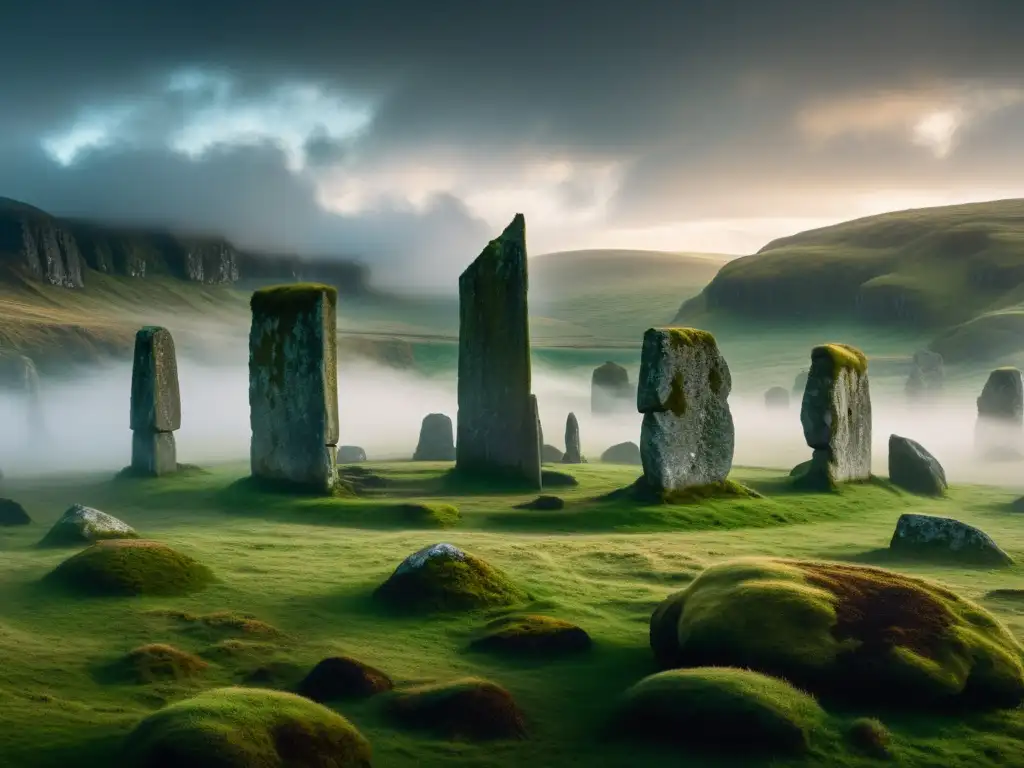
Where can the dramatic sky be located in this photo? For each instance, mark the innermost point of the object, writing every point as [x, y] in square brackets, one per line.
[408, 132]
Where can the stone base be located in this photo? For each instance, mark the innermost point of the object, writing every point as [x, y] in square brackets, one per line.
[320, 476]
[154, 453]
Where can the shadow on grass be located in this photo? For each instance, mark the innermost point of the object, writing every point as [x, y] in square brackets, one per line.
[885, 557]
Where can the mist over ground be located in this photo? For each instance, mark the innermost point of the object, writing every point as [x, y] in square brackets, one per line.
[86, 420]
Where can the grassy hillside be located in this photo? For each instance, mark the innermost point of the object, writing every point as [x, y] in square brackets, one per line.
[955, 273]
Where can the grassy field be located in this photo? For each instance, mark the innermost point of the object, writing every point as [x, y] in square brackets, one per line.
[305, 570]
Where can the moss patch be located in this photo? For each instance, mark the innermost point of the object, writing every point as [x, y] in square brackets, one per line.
[848, 631]
[681, 338]
[550, 478]
[469, 708]
[544, 503]
[870, 737]
[718, 708]
[156, 662]
[642, 492]
[843, 356]
[428, 515]
[131, 567]
[218, 623]
[342, 677]
[532, 635]
[676, 401]
[246, 728]
[277, 298]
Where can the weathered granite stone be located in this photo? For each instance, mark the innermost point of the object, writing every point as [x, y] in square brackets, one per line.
[550, 454]
[687, 435]
[930, 535]
[572, 441]
[836, 415]
[293, 385]
[350, 454]
[927, 375]
[497, 418]
[800, 384]
[998, 432]
[418, 559]
[610, 391]
[156, 399]
[81, 524]
[154, 453]
[776, 398]
[622, 453]
[12, 513]
[437, 441]
[913, 468]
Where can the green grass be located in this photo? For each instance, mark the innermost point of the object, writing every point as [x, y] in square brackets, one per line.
[296, 578]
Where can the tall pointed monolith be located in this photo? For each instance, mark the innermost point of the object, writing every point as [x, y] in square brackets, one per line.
[155, 403]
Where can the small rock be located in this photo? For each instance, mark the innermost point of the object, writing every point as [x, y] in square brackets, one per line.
[550, 455]
[622, 453]
[913, 468]
[351, 454]
[776, 398]
[928, 534]
[81, 525]
[12, 513]
[437, 441]
[547, 503]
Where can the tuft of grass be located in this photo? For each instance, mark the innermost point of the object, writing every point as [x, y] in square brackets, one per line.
[469, 708]
[533, 635]
[246, 728]
[720, 709]
[155, 662]
[131, 567]
[869, 736]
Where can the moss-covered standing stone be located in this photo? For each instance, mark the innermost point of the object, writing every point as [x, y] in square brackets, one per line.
[836, 415]
[155, 404]
[998, 431]
[293, 385]
[687, 436]
[497, 429]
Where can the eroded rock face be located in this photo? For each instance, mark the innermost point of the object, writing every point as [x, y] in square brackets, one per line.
[927, 375]
[913, 468]
[687, 436]
[155, 403]
[776, 399]
[836, 415]
[999, 431]
[293, 385]
[81, 524]
[931, 535]
[437, 440]
[497, 421]
[572, 454]
[610, 390]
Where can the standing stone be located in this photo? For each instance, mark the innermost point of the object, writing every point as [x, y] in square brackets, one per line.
[572, 441]
[155, 404]
[622, 453]
[776, 398]
[687, 435]
[998, 433]
[437, 441]
[800, 384]
[927, 375]
[610, 391]
[497, 421]
[19, 374]
[293, 385]
[836, 416]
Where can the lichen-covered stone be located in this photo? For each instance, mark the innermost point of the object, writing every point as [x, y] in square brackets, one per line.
[437, 439]
[154, 453]
[622, 453]
[81, 524]
[572, 455]
[776, 398]
[350, 454]
[913, 468]
[930, 535]
[610, 391]
[156, 399]
[293, 384]
[836, 415]
[998, 433]
[687, 435]
[497, 419]
[927, 375]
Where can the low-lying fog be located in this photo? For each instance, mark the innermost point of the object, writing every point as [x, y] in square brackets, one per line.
[87, 420]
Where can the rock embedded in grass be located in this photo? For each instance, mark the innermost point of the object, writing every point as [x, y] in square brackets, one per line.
[82, 525]
[245, 728]
[131, 567]
[12, 513]
[622, 453]
[342, 677]
[914, 469]
[859, 633]
[720, 709]
[944, 537]
[544, 503]
[442, 577]
[532, 635]
[469, 708]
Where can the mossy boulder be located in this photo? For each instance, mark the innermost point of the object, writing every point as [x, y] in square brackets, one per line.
[849, 631]
[610, 390]
[622, 453]
[643, 492]
[245, 728]
[720, 709]
[442, 577]
[467, 709]
[342, 677]
[422, 515]
[870, 737]
[82, 525]
[532, 635]
[131, 567]
[12, 513]
[551, 478]
[157, 662]
[544, 503]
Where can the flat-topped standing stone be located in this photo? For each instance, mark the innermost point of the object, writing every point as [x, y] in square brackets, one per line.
[293, 385]
[998, 432]
[836, 416]
[497, 421]
[155, 403]
[572, 454]
[437, 441]
[687, 435]
[610, 391]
